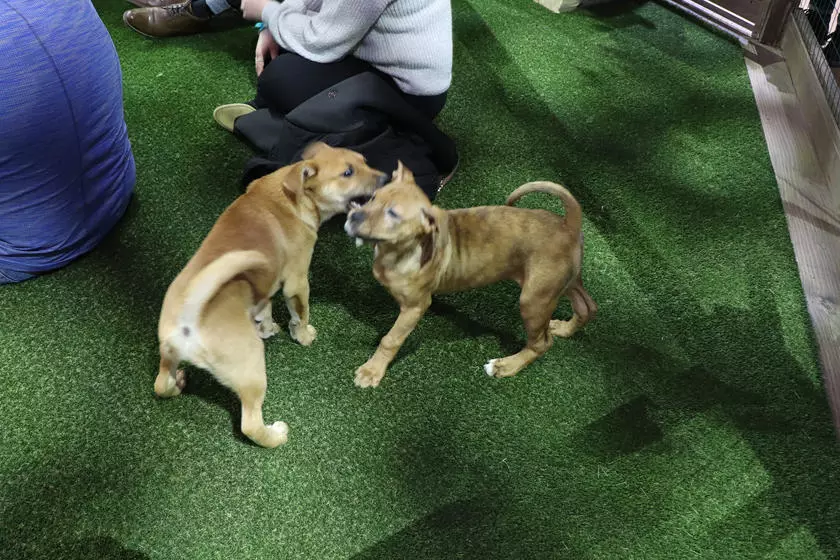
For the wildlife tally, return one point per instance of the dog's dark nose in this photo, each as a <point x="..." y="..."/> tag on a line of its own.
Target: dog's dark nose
<point x="381" y="181"/>
<point x="356" y="217"/>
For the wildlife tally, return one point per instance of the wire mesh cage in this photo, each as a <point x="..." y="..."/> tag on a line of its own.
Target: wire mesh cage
<point x="818" y="21"/>
<point x="822" y="16"/>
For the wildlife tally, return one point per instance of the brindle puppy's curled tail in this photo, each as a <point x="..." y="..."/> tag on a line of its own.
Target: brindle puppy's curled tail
<point x="574" y="214"/>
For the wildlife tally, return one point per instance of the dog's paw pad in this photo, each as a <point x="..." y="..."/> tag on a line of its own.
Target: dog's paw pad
<point x="490" y="367"/>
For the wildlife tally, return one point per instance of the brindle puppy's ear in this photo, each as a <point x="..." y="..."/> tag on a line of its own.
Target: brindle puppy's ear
<point x="314" y="149"/>
<point x="295" y="182"/>
<point x="431" y="230"/>
<point x="429" y="219"/>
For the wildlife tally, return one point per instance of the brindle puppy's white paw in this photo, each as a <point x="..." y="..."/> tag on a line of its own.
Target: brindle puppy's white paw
<point x="489" y="367"/>
<point x="368" y="376"/>
<point x="303" y="334"/>
<point x="502" y="367"/>
<point x="279" y="433"/>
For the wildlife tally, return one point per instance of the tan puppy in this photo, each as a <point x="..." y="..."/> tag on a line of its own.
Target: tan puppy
<point x="422" y="250"/>
<point x="218" y="309"/>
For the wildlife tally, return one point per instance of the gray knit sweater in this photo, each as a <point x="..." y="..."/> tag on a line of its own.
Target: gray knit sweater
<point x="410" y="40"/>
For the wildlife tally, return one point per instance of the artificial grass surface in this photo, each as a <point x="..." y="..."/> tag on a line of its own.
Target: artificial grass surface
<point x="687" y="421"/>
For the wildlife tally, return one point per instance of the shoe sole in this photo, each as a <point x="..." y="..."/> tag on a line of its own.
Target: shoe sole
<point x="226" y="115"/>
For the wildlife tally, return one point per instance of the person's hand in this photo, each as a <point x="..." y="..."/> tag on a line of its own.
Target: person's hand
<point x="267" y="47"/>
<point x="252" y="9"/>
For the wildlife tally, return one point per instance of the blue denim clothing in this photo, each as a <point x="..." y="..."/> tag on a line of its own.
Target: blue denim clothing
<point x="66" y="166"/>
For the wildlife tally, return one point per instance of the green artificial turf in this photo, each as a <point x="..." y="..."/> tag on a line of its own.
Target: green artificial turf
<point x="687" y="421"/>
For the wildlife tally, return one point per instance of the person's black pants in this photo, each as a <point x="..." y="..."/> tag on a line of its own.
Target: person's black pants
<point x="290" y="79"/>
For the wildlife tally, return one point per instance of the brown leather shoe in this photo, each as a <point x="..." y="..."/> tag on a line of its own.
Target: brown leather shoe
<point x="154" y="3"/>
<point x="165" y="21"/>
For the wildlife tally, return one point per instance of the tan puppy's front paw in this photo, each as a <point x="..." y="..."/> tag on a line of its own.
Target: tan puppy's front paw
<point x="303" y="334"/>
<point x="501" y="367"/>
<point x="267" y="329"/>
<point x="369" y="376"/>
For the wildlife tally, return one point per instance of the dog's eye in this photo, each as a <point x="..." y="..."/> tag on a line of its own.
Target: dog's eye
<point x="392" y="214"/>
<point x="348" y="172"/>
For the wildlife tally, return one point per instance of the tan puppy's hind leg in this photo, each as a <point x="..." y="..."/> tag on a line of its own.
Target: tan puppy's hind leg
<point x="253" y="426"/>
<point x="244" y="372"/>
<point x="236" y="358"/>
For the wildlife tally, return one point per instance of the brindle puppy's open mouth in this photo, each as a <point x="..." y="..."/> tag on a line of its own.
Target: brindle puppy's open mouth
<point x="362" y="239"/>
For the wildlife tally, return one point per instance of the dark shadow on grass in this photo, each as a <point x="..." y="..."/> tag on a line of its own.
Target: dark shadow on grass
<point x="473" y="328"/>
<point x="203" y="385"/>
<point x="626" y="430"/>
<point x="618" y="14"/>
<point x="229" y="34"/>
<point x="38" y="515"/>
<point x="461" y="529"/>
<point x="473" y="512"/>
<point x="101" y="548"/>
<point x="764" y="394"/>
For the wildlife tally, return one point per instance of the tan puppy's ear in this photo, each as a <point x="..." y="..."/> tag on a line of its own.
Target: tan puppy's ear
<point x="313" y="149"/>
<point x="403" y="173"/>
<point x="399" y="172"/>
<point x="308" y="170"/>
<point x="295" y="182"/>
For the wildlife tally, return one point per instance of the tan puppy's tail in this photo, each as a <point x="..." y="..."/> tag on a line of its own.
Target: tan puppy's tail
<point x="574" y="215"/>
<point x="206" y="283"/>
